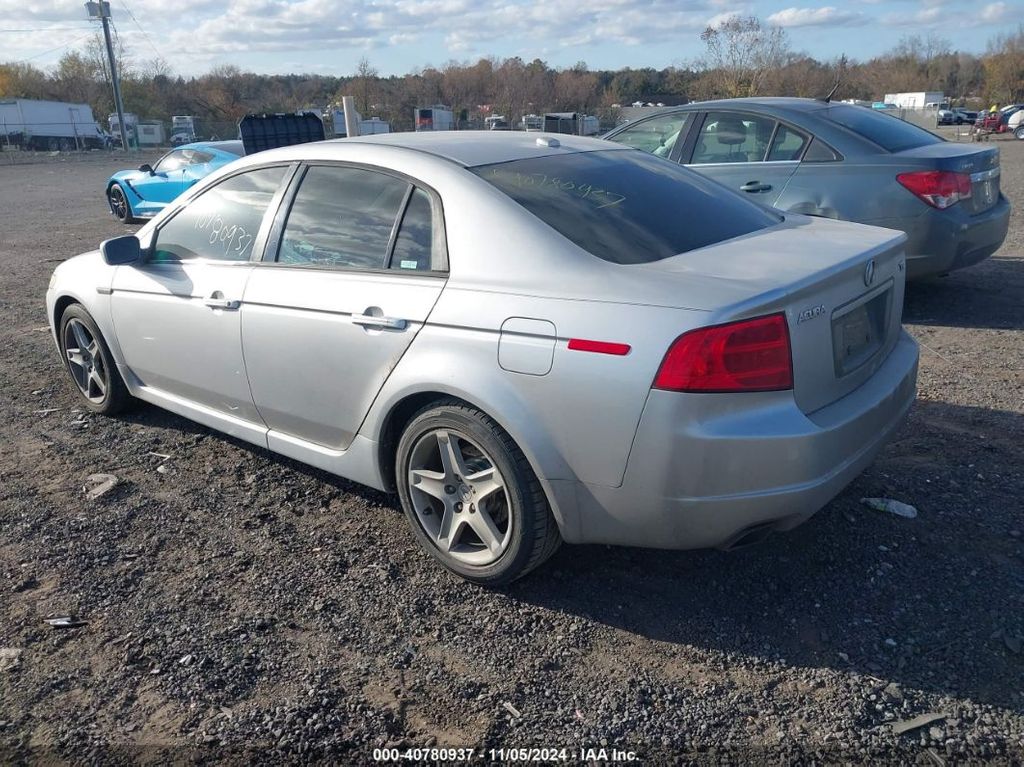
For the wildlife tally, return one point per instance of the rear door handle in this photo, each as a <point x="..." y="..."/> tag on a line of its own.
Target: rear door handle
<point x="216" y="300"/>
<point x="371" y="321"/>
<point x="755" y="186"/>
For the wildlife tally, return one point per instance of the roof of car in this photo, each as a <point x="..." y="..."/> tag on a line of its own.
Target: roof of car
<point x="471" y="148"/>
<point x="231" y="147"/>
<point x="791" y="103"/>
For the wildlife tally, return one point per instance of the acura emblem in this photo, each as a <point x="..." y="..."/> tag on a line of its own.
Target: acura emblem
<point x="869" y="273"/>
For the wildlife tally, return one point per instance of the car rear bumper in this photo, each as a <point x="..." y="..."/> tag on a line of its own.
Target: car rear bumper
<point x="702" y="474"/>
<point x="943" y="240"/>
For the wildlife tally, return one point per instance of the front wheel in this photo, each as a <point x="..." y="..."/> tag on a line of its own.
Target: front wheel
<point x="119" y="205"/>
<point x="90" y="363"/>
<point x="471" y="497"/>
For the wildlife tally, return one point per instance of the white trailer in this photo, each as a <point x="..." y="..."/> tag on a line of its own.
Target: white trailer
<point x="151" y="133"/>
<point x="916" y="99"/>
<point x="374" y="125"/>
<point x="437" y="117"/>
<point x="48" y="125"/>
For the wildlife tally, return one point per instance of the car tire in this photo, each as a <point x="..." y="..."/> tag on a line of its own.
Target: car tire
<point x="472" y="500"/>
<point x="90" y="364"/>
<point x="119" y="205"/>
<point x="1019" y="133"/>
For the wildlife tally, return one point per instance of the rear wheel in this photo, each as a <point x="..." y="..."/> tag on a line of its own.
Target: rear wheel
<point x="1019" y="133"/>
<point x="471" y="497"/>
<point x="119" y="205"/>
<point x="90" y="364"/>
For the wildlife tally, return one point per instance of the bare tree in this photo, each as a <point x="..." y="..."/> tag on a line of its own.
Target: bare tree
<point x="741" y="53"/>
<point x="364" y="82"/>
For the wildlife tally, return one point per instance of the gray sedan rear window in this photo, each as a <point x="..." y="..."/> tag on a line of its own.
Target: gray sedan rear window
<point x="626" y="206"/>
<point x="889" y="132"/>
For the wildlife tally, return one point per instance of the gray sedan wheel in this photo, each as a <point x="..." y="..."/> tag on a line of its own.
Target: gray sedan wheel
<point x="1019" y="133"/>
<point x="471" y="497"/>
<point x="90" y="364"/>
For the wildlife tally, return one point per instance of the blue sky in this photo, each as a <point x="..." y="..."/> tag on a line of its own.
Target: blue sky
<point x="397" y="36"/>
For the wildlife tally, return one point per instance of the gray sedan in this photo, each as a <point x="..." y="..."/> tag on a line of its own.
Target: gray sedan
<point x="529" y="338"/>
<point x="842" y="161"/>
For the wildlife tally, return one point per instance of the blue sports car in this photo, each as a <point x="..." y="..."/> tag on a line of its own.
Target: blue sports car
<point x="142" y="193"/>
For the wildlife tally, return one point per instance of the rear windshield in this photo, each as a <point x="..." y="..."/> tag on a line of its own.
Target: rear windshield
<point x="626" y="206"/>
<point x="889" y="132"/>
<point x="231" y="147"/>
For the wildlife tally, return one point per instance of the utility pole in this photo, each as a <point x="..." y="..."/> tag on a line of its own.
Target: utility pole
<point x="100" y="9"/>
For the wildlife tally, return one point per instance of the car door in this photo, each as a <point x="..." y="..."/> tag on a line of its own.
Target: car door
<point x="355" y="264"/>
<point x="176" y="313"/>
<point x="750" y="153"/>
<point x="166" y="182"/>
<point x="201" y="164"/>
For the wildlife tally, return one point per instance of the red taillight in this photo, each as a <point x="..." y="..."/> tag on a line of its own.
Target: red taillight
<point x="749" y="355"/>
<point x="938" y="188"/>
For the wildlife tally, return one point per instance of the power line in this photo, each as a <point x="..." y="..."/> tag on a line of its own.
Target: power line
<point x="144" y="34"/>
<point x="53" y="50"/>
<point x="42" y="29"/>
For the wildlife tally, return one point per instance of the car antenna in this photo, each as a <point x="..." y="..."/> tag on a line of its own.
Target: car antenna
<point x="839" y="79"/>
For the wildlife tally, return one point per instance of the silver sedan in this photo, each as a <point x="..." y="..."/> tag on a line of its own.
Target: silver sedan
<point x="530" y="339"/>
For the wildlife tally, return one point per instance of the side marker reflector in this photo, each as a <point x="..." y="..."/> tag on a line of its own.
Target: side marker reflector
<point x="598" y="347"/>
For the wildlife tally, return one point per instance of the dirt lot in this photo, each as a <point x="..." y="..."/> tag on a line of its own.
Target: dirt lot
<point x="237" y="601"/>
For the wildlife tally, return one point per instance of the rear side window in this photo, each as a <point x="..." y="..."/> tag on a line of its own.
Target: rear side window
<point x="889" y="132"/>
<point x="626" y="207"/>
<point x="819" y="151"/>
<point x="787" y="144"/>
<point x="418" y="245"/>
<point x="342" y="218"/>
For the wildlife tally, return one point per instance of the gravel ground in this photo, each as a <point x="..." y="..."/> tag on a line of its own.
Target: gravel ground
<point x="241" y="606"/>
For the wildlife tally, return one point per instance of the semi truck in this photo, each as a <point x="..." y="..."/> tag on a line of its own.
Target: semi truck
<point x="49" y="125"/>
<point x="185" y="129"/>
<point x="436" y="117"/>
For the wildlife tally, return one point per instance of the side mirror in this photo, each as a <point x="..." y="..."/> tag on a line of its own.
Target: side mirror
<point x="147" y="168"/>
<point x="121" y="250"/>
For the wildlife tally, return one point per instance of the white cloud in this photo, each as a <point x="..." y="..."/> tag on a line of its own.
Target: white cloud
<point x="815" y="17"/>
<point x="993" y="12"/>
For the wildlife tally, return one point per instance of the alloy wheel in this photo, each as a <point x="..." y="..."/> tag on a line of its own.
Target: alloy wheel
<point x="118" y="203"/>
<point x="85" y="361"/>
<point x="459" y="497"/>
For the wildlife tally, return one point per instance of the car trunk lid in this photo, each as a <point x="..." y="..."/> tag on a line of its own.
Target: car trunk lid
<point x="981" y="164"/>
<point x="839" y="285"/>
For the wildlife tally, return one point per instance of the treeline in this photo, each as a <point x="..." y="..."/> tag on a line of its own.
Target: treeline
<point x="742" y="58"/>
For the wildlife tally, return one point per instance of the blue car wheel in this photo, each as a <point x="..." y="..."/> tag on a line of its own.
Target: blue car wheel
<point x="119" y="205"/>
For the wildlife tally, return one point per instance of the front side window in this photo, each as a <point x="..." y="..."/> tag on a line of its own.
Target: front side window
<point x="656" y="135"/>
<point x="222" y="222"/>
<point x="626" y="207"/>
<point x="728" y="137"/>
<point x="342" y="218"/>
<point x="171" y="161"/>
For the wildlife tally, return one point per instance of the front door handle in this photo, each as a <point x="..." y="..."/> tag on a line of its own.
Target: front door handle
<point x="755" y="186"/>
<point x="216" y="300"/>
<point x="371" y="321"/>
